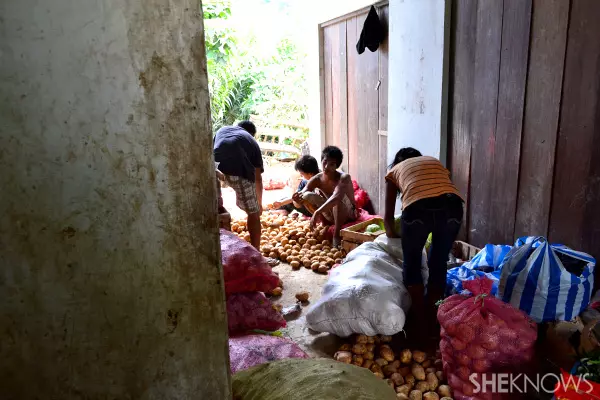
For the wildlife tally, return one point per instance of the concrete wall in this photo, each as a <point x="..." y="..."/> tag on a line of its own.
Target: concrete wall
<point x="109" y="255"/>
<point x="419" y="41"/>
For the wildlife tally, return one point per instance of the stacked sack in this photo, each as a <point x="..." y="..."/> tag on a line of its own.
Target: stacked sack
<point x="247" y="276"/>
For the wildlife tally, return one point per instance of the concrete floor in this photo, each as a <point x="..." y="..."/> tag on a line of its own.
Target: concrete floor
<point x="313" y="343"/>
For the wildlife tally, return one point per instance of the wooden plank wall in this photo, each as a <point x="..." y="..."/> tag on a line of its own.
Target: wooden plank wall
<point x="524" y="142"/>
<point x="355" y="100"/>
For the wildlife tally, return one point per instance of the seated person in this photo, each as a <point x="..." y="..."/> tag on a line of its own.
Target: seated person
<point x="329" y="195"/>
<point x="308" y="167"/>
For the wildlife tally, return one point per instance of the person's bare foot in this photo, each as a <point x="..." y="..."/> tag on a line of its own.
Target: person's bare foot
<point x="337" y="242"/>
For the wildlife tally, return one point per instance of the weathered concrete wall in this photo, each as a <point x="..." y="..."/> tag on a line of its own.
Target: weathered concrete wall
<point x="110" y="283"/>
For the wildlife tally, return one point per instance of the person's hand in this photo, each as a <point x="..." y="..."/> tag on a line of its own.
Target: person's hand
<point x="275" y="205"/>
<point x="391" y="234"/>
<point x="297" y="197"/>
<point x="315" y="219"/>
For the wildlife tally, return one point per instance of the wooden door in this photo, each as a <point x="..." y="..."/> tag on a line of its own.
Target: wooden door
<point x="354" y="100"/>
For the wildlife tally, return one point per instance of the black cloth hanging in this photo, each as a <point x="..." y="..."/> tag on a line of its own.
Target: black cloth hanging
<point x="372" y="33"/>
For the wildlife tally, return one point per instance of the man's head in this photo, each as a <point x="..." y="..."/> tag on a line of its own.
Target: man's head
<point x="307" y="166"/>
<point x="331" y="158"/>
<point x="404" y="154"/>
<point x="248" y="126"/>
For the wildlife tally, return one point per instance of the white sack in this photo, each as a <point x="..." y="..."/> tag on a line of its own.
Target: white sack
<point x="364" y="295"/>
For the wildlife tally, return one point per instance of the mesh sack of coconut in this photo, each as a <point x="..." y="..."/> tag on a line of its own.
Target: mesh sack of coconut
<point x="300" y="379"/>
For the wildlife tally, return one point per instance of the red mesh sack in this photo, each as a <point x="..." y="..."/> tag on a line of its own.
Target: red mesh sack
<point x="361" y="198"/>
<point x="249" y="311"/>
<point x="250" y="350"/>
<point x="244" y="268"/>
<point x="482" y="335"/>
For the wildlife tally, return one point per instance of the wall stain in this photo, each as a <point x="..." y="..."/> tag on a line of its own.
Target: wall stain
<point x="172" y="320"/>
<point x="69" y="232"/>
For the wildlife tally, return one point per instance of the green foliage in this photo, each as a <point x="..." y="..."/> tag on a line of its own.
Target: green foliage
<point x="231" y="97"/>
<point x="244" y="83"/>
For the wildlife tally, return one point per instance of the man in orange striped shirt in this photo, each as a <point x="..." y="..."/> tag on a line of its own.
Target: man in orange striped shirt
<point x="430" y="204"/>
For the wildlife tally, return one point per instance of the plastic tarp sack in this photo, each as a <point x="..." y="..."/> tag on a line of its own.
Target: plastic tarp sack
<point x="249" y="311"/>
<point x="365" y="294"/>
<point x="549" y="282"/>
<point x="481" y="334"/>
<point x="486" y="263"/>
<point x="244" y="268"/>
<point x="250" y="350"/>
<point x="320" y="379"/>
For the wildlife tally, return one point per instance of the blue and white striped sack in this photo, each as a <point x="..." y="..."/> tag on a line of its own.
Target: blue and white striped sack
<point x="535" y="280"/>
<point x="486" y="263"/>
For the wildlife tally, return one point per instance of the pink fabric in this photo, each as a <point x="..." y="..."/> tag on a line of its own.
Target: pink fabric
<point x="244" y="268"/>
<point x="248" y="311"/>
<point x="248" y="351"/>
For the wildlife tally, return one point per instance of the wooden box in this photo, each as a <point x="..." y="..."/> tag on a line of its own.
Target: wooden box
<point x="464" y="251"/>
<point x="352" y="237"/>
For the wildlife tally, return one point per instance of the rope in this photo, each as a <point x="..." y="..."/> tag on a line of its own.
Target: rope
<point x="482" y="297"/>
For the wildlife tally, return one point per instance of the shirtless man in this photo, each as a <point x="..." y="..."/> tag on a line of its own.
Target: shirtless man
<point x="329" y="195"/>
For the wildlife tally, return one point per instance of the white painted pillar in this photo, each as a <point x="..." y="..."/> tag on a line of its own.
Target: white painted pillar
<point x="418" y="67"/>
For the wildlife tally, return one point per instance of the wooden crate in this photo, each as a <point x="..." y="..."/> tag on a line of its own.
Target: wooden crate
<point x="349" y="246"/>
<point x="352" y="237"/>
<point x="463" y="251"/>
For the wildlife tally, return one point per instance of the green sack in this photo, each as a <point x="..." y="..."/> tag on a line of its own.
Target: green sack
<point x="309" y="379"/>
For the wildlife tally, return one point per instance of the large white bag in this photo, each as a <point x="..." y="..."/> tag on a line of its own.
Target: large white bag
<point x="366" y="294"/>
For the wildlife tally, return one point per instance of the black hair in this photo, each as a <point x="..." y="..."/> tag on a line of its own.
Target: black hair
<point x="404" y="154"/>
<point x="334" y="153"/>
<point x="248" y="126"/>
<point x="307" y="164"/>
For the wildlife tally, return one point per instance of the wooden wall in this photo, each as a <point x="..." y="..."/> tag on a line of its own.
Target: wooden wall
<point x="524" y="140"/>
<point x="354" y="100"/>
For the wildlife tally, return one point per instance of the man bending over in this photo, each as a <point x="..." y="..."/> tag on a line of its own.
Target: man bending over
<point x="240" y="161"/>
<point x="329" y="195"/>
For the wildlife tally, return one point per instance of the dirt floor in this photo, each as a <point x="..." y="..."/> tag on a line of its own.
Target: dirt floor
<point x="313" y="343"/>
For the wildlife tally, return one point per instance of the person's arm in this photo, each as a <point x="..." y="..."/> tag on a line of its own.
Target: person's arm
<point x="335" y="199"/>
<point x="259" y="186"/>
<point x="390" y="205"/>
<point x="280" y="203"/>
<point x="220" y="175"/>
<point x="310" y="186"/>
